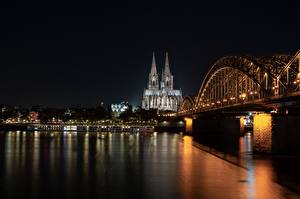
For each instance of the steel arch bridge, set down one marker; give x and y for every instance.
(187, 103)
(236, 80)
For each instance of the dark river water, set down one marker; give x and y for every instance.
(162, 165)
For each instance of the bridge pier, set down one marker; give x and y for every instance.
(217, 125)
(188, 124)
(262, 133)
(218, 132)
(278, 134)
(271, 133)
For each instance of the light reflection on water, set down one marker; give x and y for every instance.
(122, 165)
(246, 143)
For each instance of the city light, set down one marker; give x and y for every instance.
(89, 110)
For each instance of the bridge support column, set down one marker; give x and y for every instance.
(285, 134)
(277, 134)
(217, 125)
(188, 124)
(262, 133)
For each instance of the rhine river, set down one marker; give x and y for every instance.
(162, 165)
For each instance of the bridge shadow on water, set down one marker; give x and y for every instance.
(238, 151)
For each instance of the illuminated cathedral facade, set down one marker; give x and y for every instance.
(161, 96)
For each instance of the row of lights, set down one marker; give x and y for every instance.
(243, 96)
(294, 82)
(297, 81)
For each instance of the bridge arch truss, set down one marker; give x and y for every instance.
(234, 80)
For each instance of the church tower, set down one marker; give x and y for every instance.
(163, 98)
(166, 76)
(153, 76)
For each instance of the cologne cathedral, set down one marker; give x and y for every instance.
(164, 96)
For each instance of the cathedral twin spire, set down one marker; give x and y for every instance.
(166, 76)
(153, 76)
(167, 66)
(161, 95)
(153, 66)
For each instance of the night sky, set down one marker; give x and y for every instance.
(79, 53)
